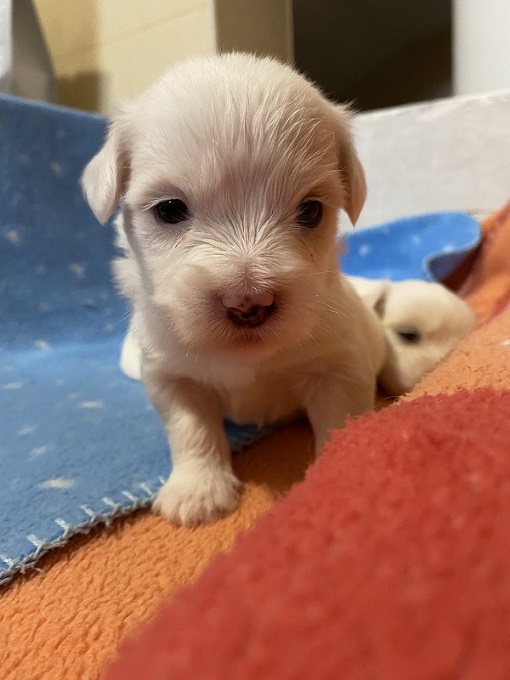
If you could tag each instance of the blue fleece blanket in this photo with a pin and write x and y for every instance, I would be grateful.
(79, 442)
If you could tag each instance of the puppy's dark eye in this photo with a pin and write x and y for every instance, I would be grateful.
(309, 214)
(409, 335)
(172, 211)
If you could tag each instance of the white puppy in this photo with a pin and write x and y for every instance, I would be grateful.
(422, 322)
(230, 171)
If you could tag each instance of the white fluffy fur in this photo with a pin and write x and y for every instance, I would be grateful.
(437, 316)
(242, 141)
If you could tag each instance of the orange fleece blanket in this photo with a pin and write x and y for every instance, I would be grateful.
(67, 619)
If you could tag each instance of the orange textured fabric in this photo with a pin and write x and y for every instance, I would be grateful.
(487, 286)
(67, 619)
(392, 560)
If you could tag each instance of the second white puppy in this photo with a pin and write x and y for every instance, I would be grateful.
(422, 322)
(230, 171)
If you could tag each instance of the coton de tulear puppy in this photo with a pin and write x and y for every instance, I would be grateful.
(422, 323)
(230, 172)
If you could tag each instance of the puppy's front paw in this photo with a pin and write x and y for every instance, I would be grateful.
(192, 499)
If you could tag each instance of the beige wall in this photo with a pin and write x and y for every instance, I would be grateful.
(259, 26)
(106, 50)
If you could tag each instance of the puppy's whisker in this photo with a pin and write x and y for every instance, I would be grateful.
(323, 306)
(320, 274)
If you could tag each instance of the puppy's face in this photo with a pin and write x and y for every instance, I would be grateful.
(231, 172)
(423, 322)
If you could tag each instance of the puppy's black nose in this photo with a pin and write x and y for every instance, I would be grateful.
(248, 310)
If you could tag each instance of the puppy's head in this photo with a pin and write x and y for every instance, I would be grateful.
(423, 322)
(231, 171)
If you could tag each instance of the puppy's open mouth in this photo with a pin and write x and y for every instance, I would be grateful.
(246, 328)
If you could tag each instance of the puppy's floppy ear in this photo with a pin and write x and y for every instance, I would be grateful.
(105, 176)
(351, 170)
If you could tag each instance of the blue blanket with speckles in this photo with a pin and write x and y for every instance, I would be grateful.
(79, 442)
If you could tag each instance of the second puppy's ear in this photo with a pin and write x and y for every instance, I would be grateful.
(351, 170)
(373, 292)
(104, 178)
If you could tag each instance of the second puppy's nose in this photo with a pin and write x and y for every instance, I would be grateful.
(248, 310)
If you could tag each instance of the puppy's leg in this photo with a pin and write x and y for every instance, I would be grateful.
(202, 485)
(331, 397)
